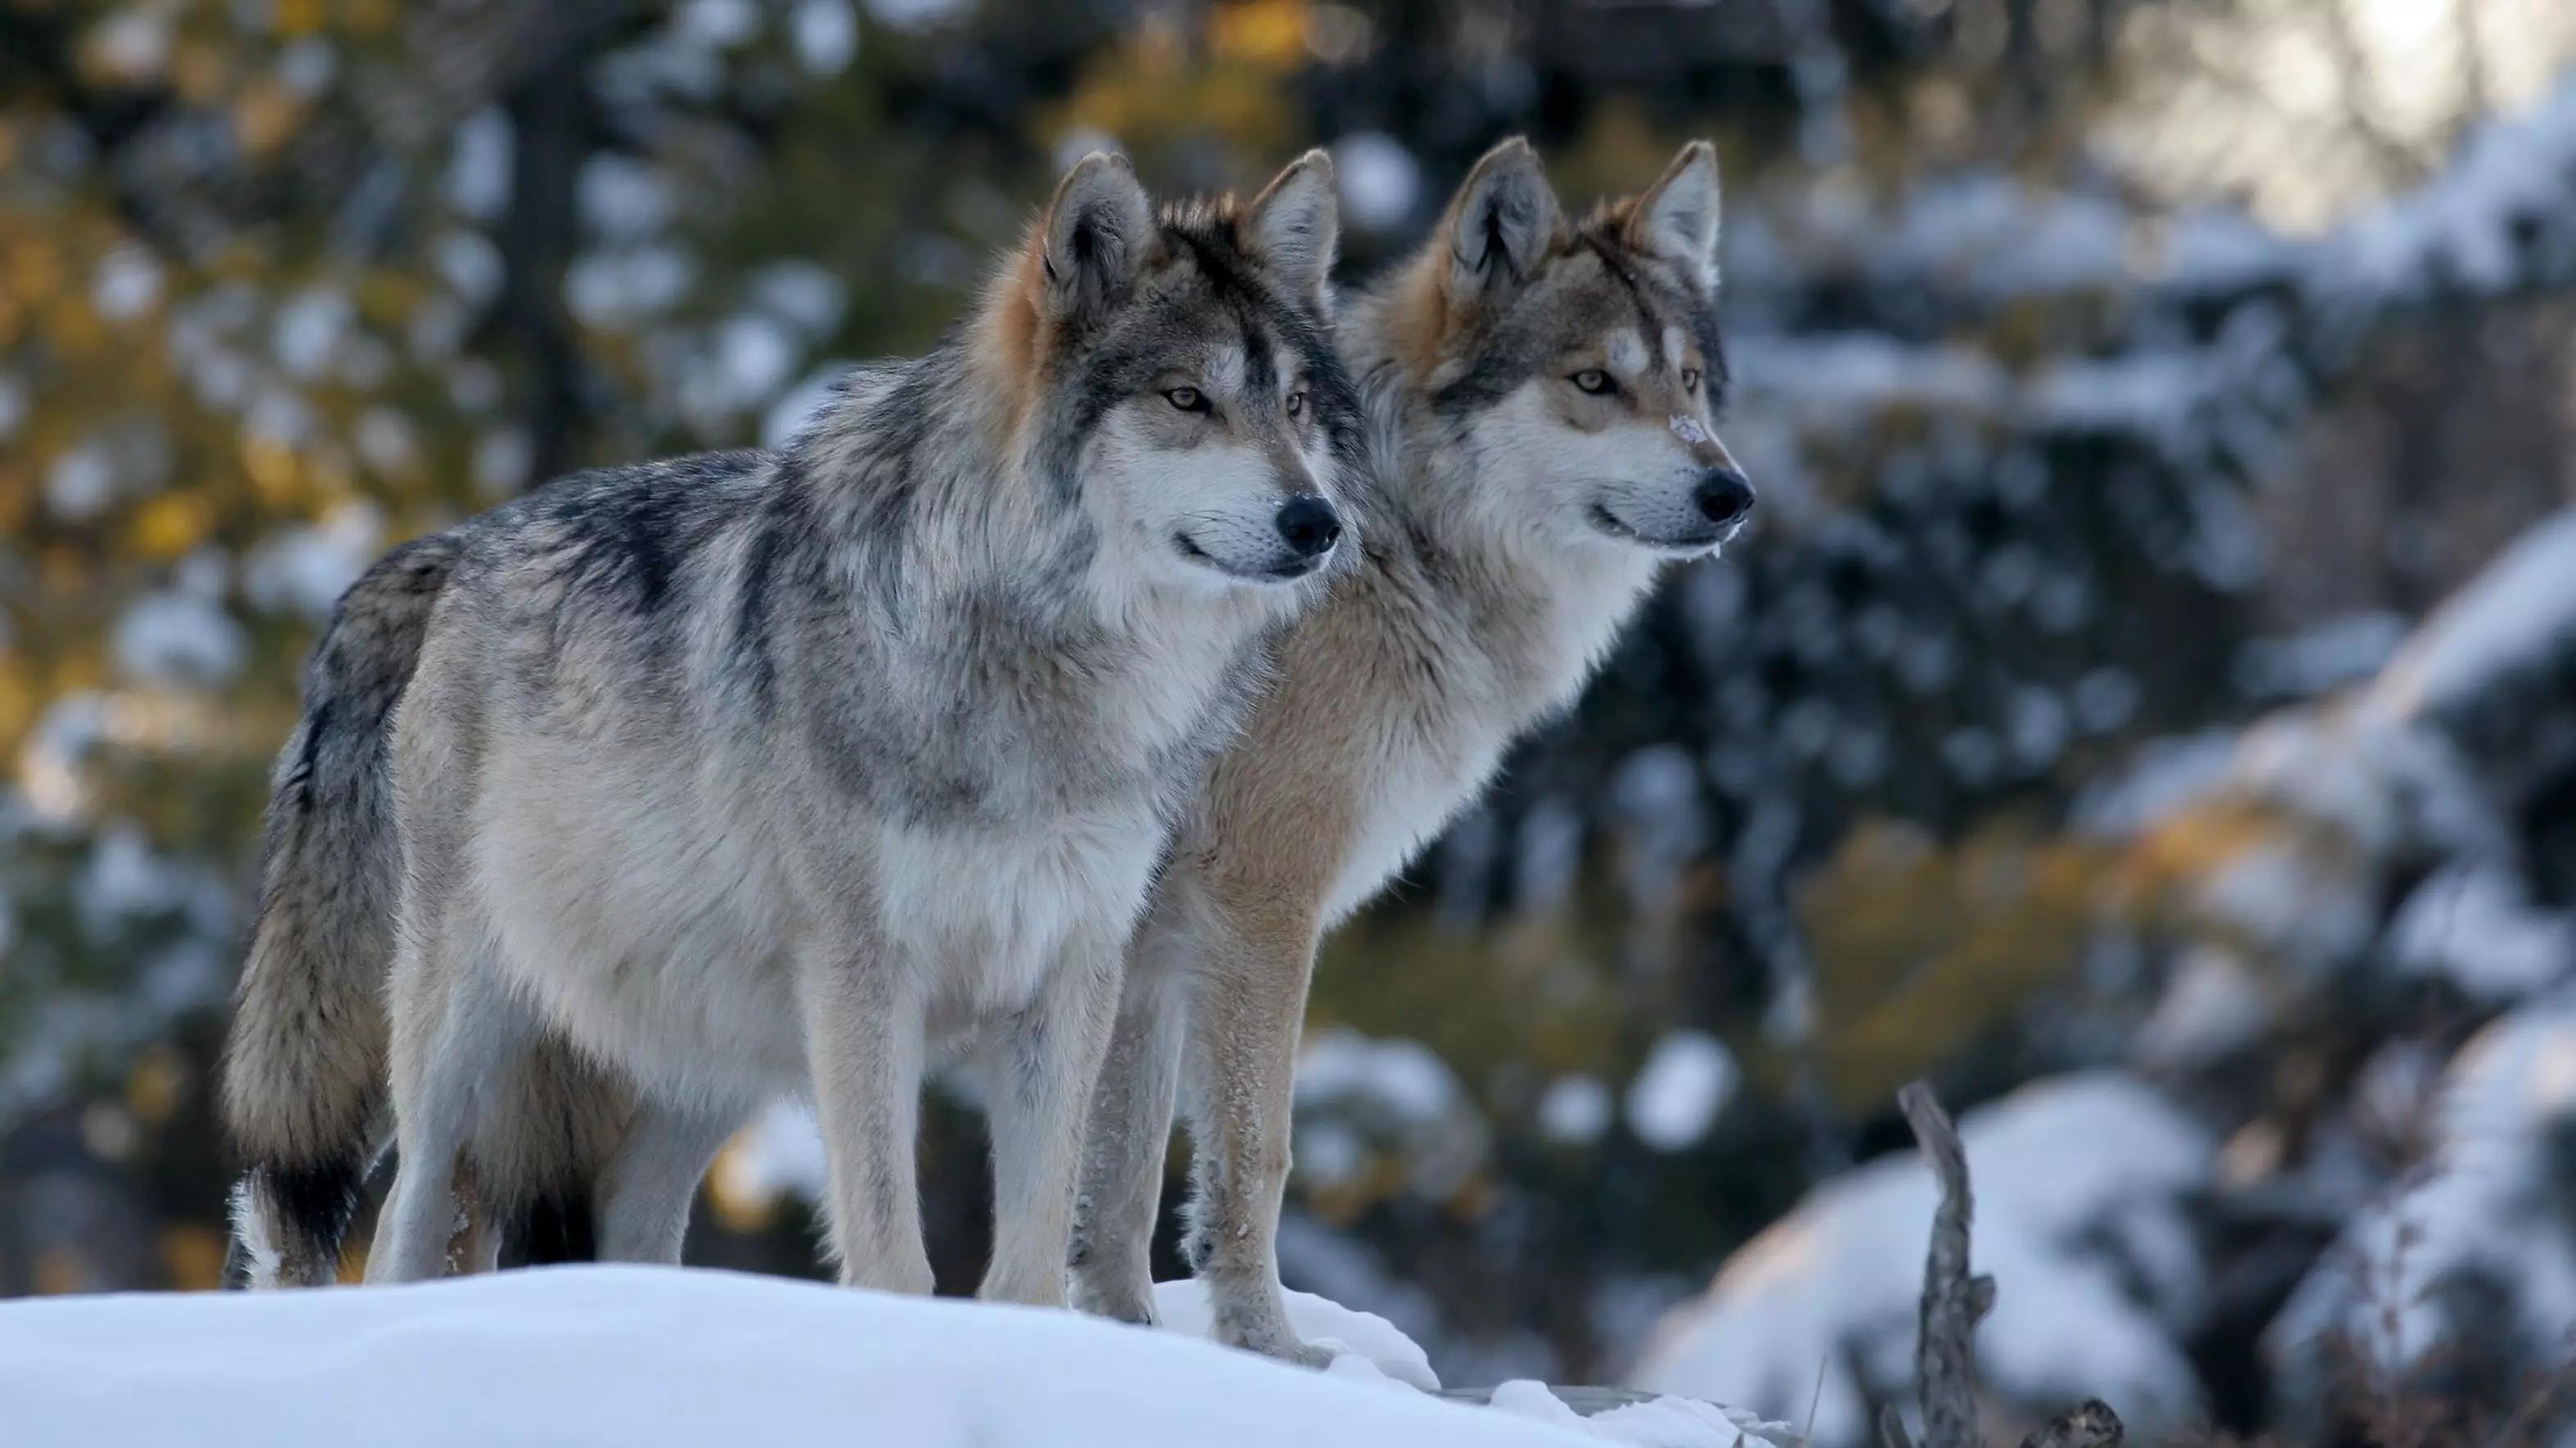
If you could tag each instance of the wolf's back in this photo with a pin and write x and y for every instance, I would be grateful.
(303, 1074)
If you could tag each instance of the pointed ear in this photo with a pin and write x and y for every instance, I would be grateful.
(1095, 237)
(1296, 222)
(1501, 222)
(1676, 219)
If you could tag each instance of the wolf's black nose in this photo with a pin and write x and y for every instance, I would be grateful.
(1310, 525)
(1723, 495)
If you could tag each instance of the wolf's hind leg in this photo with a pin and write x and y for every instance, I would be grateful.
(456, 1030)
(1039, 1069)
(652, 1182)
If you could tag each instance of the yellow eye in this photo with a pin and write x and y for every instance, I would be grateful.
(1187, 399)
(1593, 380)
(1690, 379)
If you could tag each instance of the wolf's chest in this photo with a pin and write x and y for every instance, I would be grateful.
(1414, 786)
(989, 911)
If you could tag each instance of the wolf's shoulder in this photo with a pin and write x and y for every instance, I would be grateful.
(627, 530)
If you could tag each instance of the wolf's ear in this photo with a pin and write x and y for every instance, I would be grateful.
(1295, 223)
(1096, 233)
(1676, 219)
(1501, 222)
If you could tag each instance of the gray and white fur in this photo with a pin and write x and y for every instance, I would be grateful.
(758, 773)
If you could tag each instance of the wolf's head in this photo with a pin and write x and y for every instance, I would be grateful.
(1177, 372)
(1580, 362)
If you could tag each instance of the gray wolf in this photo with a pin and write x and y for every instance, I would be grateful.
(1541, 398)
(667, 790)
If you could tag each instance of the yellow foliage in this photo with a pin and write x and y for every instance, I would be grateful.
(193, 1255)
(1920, 947)
(297, 17)
(1151, 90)
(153, 1089)
(58, 1273)
(266, 117)
(171, 524)
(1267, 33)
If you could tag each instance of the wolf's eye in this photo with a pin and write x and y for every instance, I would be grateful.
(1296, 404)
(1690, 379)
(1592, 380)
(1187, 399)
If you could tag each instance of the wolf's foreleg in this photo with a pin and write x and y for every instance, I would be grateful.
(866, 1014)
(1245, 1027)
(1040, 1067)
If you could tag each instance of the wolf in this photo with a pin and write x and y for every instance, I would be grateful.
(667, 790)
(1541, 400)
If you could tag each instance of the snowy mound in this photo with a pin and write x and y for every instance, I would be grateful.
(1355, 1337)
(636, 1357)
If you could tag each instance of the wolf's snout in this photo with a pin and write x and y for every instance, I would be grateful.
(1723, 496)
(1310, 525)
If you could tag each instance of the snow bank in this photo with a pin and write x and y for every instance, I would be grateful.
(2060, 1168)
(634, 1357)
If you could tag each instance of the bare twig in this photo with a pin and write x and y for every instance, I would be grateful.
(1954, 1302)
(1945, 1356)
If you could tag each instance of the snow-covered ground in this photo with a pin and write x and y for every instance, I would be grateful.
(635, 1357)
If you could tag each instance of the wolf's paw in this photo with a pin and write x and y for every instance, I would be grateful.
(1119, 1297)
(1288, 1348)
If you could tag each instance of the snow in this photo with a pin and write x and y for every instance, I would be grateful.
(2462, 226)
(2214, 1004)
(128, 283)
(1380, 180)
(2509, 1097)
(2166, 775)
(1363, 1336)
(635, 1357)
(826, 36)
(2517, 612)
(1687, 1080)
(1400, 1078)
(178, 638)
(1576, 1110)
(2059, 1167)
(2335, 654)
(622, 198)
(2476, 927)
(780, 1154)
(1356, 1095)
(308, 567)
(480, 166)
(916, 14)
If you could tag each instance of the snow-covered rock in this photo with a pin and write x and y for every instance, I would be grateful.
(2078, 1183)
(634, 1357)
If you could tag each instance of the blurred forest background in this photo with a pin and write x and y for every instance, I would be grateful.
(2147, 704)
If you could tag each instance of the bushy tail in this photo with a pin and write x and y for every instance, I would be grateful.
(304, 1069)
